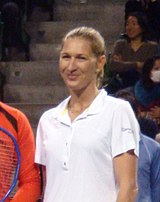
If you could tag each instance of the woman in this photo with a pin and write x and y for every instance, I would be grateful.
(147, 89)
(88, 144)
(129, 54)
(28, 186)
(13, 33)
(151, 9)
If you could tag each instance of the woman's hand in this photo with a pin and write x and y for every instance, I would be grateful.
(139, 66)
(155, 112)
(117, 58)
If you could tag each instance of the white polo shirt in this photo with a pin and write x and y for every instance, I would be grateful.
(79, 156)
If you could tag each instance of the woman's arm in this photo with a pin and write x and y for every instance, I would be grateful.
(125, 166)
(29, 176)
(122, 66)
(118, 64)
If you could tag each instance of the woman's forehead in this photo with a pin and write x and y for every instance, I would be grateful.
(80, 39)
(157, 63)
(77, 43)
(132, 19)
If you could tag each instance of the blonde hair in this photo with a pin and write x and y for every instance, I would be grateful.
(97, 42)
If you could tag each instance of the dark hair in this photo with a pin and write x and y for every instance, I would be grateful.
(142, 21)
(146, 71)
(128, 95)
(148, 127)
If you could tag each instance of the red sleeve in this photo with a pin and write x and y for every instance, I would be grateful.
(29, 177)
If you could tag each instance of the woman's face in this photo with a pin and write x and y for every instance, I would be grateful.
(133, 29)
(155, 72)
(78, 65)
(156, 65)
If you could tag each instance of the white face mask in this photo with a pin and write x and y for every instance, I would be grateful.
(155, 76)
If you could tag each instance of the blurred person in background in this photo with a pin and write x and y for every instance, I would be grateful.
(151, 8)
(149, 153)
(14, 35)
(130, 53)
(147, 89)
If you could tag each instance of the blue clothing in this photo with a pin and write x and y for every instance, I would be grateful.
(146, 97)
(148, 170)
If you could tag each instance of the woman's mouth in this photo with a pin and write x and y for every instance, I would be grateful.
(72, 76)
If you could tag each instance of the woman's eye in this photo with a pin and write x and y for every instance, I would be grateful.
(81, 58)
(135, 23)
(65, 56)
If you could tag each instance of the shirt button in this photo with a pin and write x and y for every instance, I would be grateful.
(65, 166)
(66, 143)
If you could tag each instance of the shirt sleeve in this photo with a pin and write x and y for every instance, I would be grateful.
(125, 132)
(155, 176)
(40, 149)
(29, 176)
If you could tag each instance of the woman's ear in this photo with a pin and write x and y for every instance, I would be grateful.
(101, 62)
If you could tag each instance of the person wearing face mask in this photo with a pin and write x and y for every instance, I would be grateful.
(155, 77)
(147, 89)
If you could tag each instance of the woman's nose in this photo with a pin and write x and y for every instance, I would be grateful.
(71, 64)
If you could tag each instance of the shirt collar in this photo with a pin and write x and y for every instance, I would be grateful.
(61, 112)
(97, 103)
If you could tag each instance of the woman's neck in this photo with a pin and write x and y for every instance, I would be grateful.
(79, 102)
(136, 43)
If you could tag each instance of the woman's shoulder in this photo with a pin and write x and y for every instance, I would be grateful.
(139, 88)
(151, 44)
(115, 103)
(150, 143)
(121, 42)
(55, 110)
(138, 84)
